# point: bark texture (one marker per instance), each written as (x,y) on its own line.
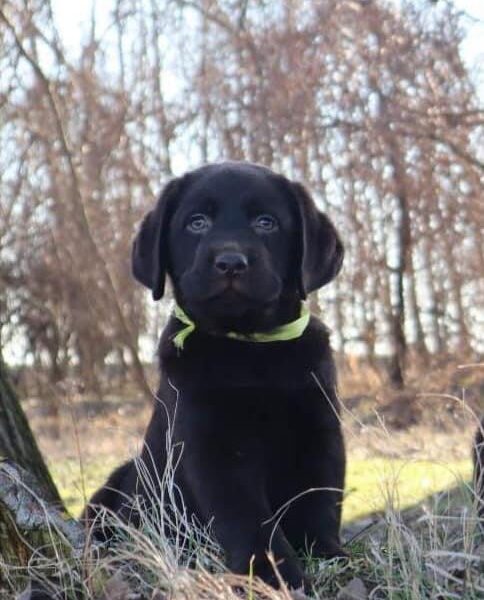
(17,442)
(29,524)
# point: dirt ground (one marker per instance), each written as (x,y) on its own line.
(433,418)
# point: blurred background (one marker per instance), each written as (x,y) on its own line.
(377,106)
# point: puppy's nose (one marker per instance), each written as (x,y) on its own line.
(231,263)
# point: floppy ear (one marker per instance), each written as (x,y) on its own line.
(321,250)
(150,248)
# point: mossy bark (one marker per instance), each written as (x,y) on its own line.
(31,514)
(17,442)
(28,525)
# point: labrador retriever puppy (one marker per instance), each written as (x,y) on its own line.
(247,377)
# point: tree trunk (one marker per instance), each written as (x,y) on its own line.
(33,534)
(17,442)
(31,512)
(403,255)
(478,459)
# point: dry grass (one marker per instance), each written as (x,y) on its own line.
(433,550)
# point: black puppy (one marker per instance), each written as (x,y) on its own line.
(247,377)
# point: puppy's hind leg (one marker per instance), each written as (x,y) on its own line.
(111,496)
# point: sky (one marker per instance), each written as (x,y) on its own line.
(73,17)
(473,46)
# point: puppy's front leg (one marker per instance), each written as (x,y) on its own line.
(231,492)
(313,519)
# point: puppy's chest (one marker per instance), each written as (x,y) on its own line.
(245,391)
(253,424)
(263,413)
(247,371)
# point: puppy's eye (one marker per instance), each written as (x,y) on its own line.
(265,223)
(198,223)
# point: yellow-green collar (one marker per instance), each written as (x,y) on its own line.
(288,331)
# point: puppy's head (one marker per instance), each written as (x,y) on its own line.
(236,240)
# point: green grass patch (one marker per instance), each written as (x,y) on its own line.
(370,484)
(76,484)
(376,483)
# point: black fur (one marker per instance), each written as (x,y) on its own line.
(258,422)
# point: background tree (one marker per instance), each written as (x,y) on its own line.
(370,104)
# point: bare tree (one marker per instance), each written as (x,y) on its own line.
(371,106)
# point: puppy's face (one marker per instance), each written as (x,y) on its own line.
(231,246)
(237,240)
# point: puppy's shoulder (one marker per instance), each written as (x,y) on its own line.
(318,330)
